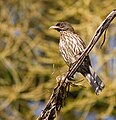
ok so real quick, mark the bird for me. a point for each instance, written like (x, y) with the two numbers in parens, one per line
(71, 46)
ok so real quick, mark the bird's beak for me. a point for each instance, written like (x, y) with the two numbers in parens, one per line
(53, 27)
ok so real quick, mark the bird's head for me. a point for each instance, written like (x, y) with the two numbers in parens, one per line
(62, 26)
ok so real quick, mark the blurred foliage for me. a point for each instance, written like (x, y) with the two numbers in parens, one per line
(30, 58)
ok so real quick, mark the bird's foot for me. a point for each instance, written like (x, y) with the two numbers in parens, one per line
(71, 78)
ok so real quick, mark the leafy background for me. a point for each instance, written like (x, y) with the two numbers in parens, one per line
(30, 59)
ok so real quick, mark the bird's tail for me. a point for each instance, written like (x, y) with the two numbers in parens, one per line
(94, 81)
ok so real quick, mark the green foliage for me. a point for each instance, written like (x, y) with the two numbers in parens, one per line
(30, 58)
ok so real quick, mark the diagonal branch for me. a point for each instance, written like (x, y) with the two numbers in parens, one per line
(60, 91)
(104, 25)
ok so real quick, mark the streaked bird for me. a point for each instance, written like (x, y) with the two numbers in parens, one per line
(71, 46)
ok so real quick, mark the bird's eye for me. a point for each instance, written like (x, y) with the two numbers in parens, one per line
(61, 25)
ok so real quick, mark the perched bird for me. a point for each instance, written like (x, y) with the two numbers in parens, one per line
(71, 46)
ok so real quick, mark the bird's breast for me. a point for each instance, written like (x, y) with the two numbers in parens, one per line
(69, 48)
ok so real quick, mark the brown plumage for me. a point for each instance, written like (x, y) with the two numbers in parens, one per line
(71, 46)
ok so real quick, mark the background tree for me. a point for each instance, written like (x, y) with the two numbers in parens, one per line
(30, 58)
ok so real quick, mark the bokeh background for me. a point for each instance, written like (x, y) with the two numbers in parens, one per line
(30, 60)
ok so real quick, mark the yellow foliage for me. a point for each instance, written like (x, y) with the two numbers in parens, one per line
(30, 58)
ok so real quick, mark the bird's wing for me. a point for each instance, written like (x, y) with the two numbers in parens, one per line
(80, 41)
